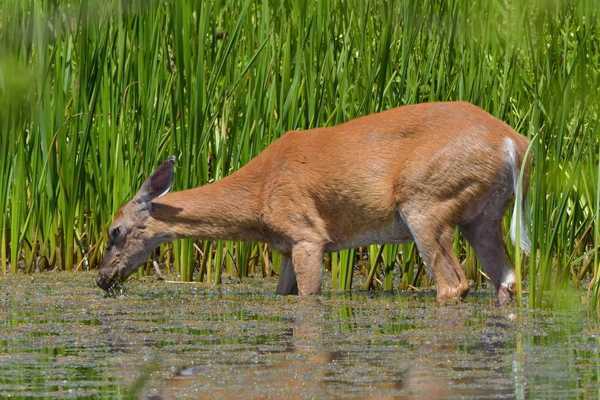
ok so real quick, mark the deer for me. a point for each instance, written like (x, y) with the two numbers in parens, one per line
(412, 173)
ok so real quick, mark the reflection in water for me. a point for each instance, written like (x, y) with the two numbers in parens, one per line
(60, 338)
(308, 368)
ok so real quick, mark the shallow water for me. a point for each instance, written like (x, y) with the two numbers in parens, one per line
(59, 337)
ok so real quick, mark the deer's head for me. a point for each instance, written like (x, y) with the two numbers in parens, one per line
(132, 236)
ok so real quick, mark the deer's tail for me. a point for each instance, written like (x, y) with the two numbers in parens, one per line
(518, 166)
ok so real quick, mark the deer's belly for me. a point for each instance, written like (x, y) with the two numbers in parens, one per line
(394, 231)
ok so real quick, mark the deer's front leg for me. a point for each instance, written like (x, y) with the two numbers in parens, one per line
(287, 278)
(306, 260)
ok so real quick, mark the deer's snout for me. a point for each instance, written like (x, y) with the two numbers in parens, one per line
(105, 281)
(107, 278)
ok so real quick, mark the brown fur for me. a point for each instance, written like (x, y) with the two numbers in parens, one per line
(410, 173)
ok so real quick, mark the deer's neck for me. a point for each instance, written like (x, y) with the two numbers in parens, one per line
(226, 209)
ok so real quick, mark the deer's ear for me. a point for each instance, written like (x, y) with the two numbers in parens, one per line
(159, 183)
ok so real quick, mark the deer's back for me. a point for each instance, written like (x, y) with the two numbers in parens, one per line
(355, 175)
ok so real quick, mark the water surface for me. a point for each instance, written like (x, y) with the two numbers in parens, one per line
(59, 337)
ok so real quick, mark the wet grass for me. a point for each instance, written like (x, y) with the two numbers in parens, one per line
(94, 94)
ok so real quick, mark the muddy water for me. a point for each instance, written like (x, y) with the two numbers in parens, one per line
(59, 337)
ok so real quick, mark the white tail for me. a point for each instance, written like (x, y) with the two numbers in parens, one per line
(518, 226)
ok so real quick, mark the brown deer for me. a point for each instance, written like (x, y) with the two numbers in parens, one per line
(410, 173)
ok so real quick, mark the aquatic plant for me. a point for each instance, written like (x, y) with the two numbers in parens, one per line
(94, 94)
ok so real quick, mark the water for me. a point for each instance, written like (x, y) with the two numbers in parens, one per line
(59, 337)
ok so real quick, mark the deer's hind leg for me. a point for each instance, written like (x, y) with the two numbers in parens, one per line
(433, 237)
(485, 235)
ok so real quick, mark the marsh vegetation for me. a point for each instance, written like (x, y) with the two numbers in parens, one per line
(94, 94)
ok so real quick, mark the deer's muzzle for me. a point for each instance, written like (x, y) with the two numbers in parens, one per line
(107, 281)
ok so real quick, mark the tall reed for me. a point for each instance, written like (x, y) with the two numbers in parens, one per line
(94, 94)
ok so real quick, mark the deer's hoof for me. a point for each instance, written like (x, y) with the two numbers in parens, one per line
(449, 295)
(504, 296)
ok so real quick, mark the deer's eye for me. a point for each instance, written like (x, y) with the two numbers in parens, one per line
(114, 234)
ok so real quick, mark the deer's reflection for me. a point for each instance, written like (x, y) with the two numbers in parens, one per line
(315, 363)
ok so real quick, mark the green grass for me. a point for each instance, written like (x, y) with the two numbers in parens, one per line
(94, 94)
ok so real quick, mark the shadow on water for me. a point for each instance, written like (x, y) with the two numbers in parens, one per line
(60, 337)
